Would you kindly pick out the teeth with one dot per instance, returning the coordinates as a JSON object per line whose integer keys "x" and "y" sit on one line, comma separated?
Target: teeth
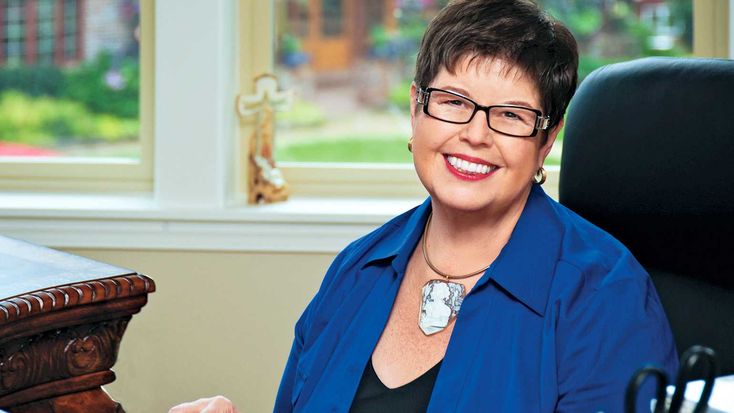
{"x": 469, "y": 167}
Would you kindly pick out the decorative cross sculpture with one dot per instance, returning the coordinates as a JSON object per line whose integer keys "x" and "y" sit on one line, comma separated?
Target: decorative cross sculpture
{"x": 265, "y": 181}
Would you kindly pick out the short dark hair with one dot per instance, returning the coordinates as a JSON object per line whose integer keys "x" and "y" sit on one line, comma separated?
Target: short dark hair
{"x": 515, "y": 30}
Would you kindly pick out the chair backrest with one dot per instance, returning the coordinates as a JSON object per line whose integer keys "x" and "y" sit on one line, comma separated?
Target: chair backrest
{"x": 648, "y": 155}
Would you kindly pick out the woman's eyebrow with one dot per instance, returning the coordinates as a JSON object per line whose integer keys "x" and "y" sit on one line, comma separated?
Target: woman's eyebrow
{"x": 520, "y": 103}
{"x": 456, "y": 90}
{"x": 466, "y": 93}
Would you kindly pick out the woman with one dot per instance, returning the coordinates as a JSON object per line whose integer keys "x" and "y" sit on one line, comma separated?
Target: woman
{"x": 490, "y": 296}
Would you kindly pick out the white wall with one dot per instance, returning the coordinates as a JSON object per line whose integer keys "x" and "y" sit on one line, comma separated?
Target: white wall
{"x": 219, "y": 322}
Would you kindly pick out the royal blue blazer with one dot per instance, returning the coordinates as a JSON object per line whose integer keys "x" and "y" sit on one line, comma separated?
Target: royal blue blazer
{"x": 558, "y": 323}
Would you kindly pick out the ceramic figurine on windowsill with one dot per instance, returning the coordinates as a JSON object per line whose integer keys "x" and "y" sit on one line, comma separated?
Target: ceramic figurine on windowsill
{"x": 265, "y": 181}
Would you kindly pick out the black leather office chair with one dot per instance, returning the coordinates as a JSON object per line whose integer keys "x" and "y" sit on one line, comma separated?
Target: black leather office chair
{"x": 648, "y": 155}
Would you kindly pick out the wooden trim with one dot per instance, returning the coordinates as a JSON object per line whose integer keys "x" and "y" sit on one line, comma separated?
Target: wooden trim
{"x": 146, "y": 54}
{"x": 711, "y": 28}
{"x": 255, "y": 57}
{"x": 314, "y": 20}
{"x": 51, "y": 389}
{"x": 67, "y": 296}
{"x": 391, "y": 22}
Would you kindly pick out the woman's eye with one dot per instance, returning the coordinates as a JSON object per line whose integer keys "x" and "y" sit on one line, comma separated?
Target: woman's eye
{"x": 453, "y": 102}
{"x": 512, "y": 115}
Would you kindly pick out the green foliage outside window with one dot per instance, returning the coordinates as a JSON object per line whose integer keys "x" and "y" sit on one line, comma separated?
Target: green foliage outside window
{"x": 47, "y": 121}
{"x": 89, "y": 85}
{"x": 50, "y": 106}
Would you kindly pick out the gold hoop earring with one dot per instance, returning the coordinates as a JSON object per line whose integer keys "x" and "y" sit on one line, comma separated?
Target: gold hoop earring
{"x": 410, "y": 144}
{"x": 540, "y": 176}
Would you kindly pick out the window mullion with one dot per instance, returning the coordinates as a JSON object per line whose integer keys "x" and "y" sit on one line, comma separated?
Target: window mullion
{"x": 194, "y": 106}
{"x": 256, "y": 34}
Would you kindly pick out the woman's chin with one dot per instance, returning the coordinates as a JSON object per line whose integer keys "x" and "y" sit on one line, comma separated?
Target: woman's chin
{"x": 463, "y": 201}
{"x": 473, "y": 200}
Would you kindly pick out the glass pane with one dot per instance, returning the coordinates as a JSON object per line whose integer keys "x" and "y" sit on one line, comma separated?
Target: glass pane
{"x": 80, "y": 95}
{"x": 611, "y": 31}
{"x": 45, "y": 34}
{"x": 70, "y": 28}
{"x": 352, "y": 78}
{"x": 332, "y": 17}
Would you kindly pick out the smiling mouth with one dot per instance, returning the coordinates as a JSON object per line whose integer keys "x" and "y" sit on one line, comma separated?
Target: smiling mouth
{"x": 470, "y": 168}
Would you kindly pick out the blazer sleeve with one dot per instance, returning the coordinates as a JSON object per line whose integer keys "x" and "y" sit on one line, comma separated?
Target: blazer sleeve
{"x": 291, "y": 382}
{"x": 604, "y": 339}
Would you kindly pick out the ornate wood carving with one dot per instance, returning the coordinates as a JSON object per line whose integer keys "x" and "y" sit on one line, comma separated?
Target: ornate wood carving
{"x": 58, "y": 343}
{"x": 67, "y": 296}
{"x": 96, "y": 401}
{"x": 61, "y": 353}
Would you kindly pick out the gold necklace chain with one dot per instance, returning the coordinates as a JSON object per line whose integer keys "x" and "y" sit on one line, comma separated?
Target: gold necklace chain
{"x": 439, "y": 272}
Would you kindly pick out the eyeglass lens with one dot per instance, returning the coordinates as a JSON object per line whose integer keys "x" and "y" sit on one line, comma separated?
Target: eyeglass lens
{"x": 509, "y": 120}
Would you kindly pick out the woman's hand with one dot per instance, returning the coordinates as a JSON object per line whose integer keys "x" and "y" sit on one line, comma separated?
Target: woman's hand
{"x": 217, "y": 404}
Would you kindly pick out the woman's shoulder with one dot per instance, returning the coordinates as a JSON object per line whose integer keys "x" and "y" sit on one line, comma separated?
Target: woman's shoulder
{"x": 379, "y": 243}
{"x": 592, "y": 252}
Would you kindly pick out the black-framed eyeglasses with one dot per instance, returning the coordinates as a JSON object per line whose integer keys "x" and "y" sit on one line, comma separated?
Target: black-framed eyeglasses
{"x": 511, "y": 120}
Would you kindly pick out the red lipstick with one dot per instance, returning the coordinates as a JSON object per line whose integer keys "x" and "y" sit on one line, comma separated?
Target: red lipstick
{"x": 469, "y": 176}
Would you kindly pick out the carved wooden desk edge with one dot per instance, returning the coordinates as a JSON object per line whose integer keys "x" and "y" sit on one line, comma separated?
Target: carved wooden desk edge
{"x": 58, "y": 344}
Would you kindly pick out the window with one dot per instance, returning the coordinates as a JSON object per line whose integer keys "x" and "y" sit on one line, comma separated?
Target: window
{"x": 197, "y": 179}
{"x": 72, "y": 84}
{"x": 71, "y": 29}
{"x": 15, "y": 34}
{"x": 33, "y": 29}
{"x": 332, "y": 18}
{"x": 349, "y": 120}
{"x": 46, "y": 33}
{"x": 352, "y": 85}
{"x": 370, "y": 40}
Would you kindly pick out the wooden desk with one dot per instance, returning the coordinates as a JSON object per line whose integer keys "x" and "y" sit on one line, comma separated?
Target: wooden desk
{"x": 62, "y": 318}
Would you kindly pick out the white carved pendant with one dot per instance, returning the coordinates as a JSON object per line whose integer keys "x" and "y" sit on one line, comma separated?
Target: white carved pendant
{"x": 440, "y": 304}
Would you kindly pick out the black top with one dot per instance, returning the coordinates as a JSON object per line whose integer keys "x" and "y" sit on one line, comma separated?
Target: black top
{"x": 373, "y": 396}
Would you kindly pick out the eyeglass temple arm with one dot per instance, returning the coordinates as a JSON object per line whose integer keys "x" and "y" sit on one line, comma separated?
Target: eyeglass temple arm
{"x": 421, "y": 98}
{"x": 542, "y": 122}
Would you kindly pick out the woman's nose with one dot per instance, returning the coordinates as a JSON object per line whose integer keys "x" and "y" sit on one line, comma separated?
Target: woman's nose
{"x": 477, "y": 131}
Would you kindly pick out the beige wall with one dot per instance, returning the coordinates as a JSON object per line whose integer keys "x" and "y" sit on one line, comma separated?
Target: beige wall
{"x": 219, "y": 322}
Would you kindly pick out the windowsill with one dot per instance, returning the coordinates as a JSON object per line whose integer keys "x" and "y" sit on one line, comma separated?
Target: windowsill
{"x": 309, "y": 225}
{"x": 312, "y": 224}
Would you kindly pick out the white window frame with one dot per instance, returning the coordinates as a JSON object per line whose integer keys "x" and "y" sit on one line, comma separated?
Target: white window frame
{"x": 95, "y": 174}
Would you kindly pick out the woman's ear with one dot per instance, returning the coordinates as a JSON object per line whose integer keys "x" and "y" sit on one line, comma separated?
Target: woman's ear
{"x": 548, "y": 145}
{"x": 413, "y": 103}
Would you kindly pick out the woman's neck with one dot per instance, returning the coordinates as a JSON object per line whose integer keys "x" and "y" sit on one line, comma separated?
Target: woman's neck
{"x": 462, "y": 241}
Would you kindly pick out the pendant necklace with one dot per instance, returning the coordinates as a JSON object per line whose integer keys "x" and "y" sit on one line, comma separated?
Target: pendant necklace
{"x": 441, "y": 299}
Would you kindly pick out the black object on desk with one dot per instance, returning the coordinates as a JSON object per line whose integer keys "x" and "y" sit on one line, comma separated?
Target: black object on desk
{"x": 688, "y": 362}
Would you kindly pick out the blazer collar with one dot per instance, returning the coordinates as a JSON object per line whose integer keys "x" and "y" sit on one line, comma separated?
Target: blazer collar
{"x": 401, "y": 238}
{"x": 526, "y": 264}
{"x": 524, "y": 267}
